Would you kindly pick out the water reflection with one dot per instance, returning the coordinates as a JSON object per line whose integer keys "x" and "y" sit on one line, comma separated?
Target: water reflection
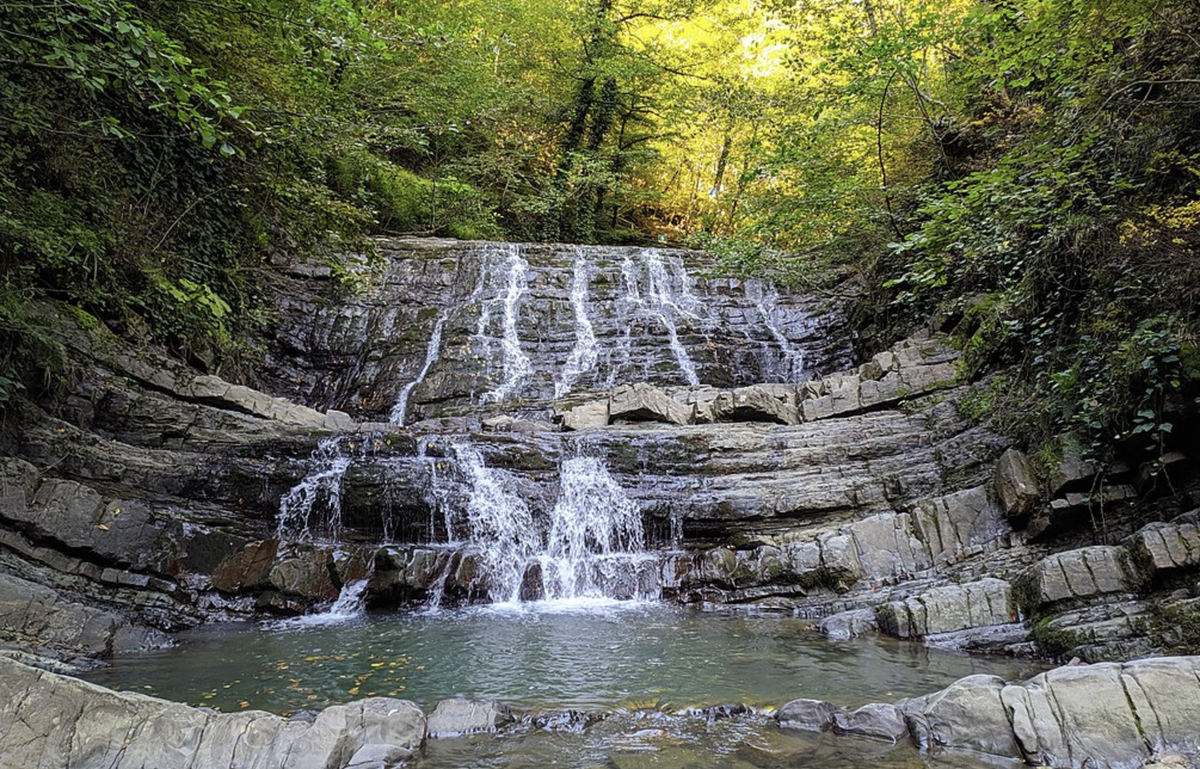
{"x": 592, "y": 658}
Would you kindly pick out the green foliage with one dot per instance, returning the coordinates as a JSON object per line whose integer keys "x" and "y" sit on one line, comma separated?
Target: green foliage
{"x": 985, "y": 400}
{"x": 1058, "y": 236}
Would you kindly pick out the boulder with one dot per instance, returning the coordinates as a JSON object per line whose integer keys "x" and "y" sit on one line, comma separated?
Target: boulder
{"x": 53, "y": 720}
{"x": 376, "y": 755}
{"x": 758, "y": 403}
{"x": 849, "y": 624}
{"x": 1103, "y": 716}
{"x": 807, "y": 715}
{"x": 248, "y": 569}
{"x": 454, "y": 717}
{"x": 880, "y": 721}
{"x": 587, "y": 416}
{"x": 1074, "y": 574}
{"x": 1161, "y": 548}
{"x": 966, "y": 715}
{"x": 1016, "y": 483}
{"x": 646, "y": 403}
{"x": 304, "y": 571}
{"x": 949, "y": 608}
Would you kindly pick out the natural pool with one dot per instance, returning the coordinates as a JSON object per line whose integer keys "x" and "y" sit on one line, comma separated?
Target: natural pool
{"x": 585, "y": 655}
{"x": 645, "y": 664}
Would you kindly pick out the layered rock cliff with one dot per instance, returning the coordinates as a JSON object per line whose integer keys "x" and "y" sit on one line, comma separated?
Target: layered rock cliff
{"x": 763, "y": 469}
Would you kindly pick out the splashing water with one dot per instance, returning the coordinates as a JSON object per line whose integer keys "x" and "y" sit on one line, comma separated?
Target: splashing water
{"x": 351, "y": 604}
{"x": 594, "y": 546}
{"x": 583, "y": 356}
{"x": 312, "y": 509}
{"x": 588, "y": 547}
{"x": 500, "y": 525}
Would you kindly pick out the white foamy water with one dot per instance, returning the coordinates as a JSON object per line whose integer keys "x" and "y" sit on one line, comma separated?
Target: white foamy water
{"x": 516, "y": 364}
{"x": 584, "y": 354}
{"x": 312, "y": 509}
{"x": 400, "y": 410}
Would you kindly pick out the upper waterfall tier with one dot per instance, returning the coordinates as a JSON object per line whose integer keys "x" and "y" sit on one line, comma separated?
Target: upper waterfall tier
{"x": 450, "y": 327}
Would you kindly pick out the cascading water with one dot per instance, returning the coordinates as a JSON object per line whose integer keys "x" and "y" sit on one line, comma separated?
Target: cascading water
{"x": 584, "y": 355}
{"x": 588, "y": 545}
{"x": 503, "y": 534}
{"x": 791, "y": 362}
{"x": 595, "y": 543}
{"x": 400, "y": 410}
{"x": 499, "y": 522}
{"x": 667, "y": 301}
{"x": 517, "y": 366}
{"x": 312, "y": 509}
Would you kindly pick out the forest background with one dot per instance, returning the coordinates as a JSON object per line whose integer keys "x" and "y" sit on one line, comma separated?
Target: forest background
{"x": 1024, "y": 172}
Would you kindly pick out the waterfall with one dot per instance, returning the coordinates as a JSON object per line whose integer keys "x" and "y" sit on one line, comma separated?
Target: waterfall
{"x": 766, "y": 301}
{"x": 583, "y": 356}
{"x": 500, "y": 525}
{"x": 399, "y": 411}
{"x": 350, "y": 604}
{"x": 667, "y": 298}
{"x": 312, "y": 509}
{"x": 517, "y": 365}
{"x": 589, "y": 545}
{"x": 351, "y": 601}
{"x": 665, "y": 301}
{"x": 595, "y": 541}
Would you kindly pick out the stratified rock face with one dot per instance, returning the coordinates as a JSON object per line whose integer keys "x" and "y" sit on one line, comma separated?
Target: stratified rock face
{"x": 449, "y": 327}
{"x": 38, "y": 618}
{"x": 47, "y": 720}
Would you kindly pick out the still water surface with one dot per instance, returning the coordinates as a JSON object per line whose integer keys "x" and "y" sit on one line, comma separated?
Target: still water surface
{"x": 538, "y": 657}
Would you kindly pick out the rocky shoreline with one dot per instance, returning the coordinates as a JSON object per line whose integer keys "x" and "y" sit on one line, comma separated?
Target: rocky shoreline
{"x": 1101, "y": 716}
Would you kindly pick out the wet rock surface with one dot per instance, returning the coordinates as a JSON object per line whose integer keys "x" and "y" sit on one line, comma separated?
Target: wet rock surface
{"x": 1108, "y": 716}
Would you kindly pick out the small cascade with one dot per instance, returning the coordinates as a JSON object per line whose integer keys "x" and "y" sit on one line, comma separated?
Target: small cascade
{"x": 399, "y": 411}
{"x": 351, "y": 601}
{"x": 584, "y": 355}
{"x": 312, "y": 509}
{"x": 595, "y": 543}
{"x": 350, "y": 604}
{"x": 589, "y": 545}
{"x": 500, "y": 524}
{"x": 517, "y": 366}
{"x": 766, "y": 301}
{"x": 667, "y": 299}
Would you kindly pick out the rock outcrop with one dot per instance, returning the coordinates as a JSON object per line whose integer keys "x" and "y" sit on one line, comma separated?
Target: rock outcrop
{"x": 48, "y": 720}
{"x": 1103, "y": 716}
